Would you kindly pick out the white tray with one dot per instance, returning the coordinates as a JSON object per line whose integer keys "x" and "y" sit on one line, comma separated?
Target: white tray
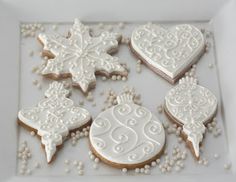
{"x": 17, "y": 90}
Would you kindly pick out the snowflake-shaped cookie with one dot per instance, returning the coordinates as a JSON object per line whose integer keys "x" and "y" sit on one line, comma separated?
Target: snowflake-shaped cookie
{"x": 54, "y": 117}
{"x": 191, "y": 106}
{"x": 81, "y": 56}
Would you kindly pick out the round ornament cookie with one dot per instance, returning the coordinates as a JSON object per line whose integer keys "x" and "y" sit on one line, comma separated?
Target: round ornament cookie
{"x": 53, "y": 118}
{"x": 169, "y": 52}
{"x": 81, "y": 56}
{"x": 127, "y": 135}
{"x": 191, "y": 106}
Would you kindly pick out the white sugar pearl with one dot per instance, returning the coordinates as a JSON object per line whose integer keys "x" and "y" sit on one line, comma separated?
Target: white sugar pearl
{"x": 67, "y": 170}
{"x": 92, "y": 157}
{"x": 137, "y": 170}
{"x": 147, "y": 171}
{"x": 75, "y": 163}
{"x": 32, "y": 133}
{"x": 124, "y": 170}
{"x": 80, "y": 172}
{"x": 81, "y": 164}
{"x": 67, "y": 161}
{"x": 227, "y": 166}
{"x": 216, "y": 156}
{"x": 142, "y": 170}
{"x": 158, "y": 161}
{"x": 153, "y": 164}
{"x": 147, "y": 167}
{"x": 96, "y": 160}
{"x": 79, "y": 167}
{"x": 90, "y": 153}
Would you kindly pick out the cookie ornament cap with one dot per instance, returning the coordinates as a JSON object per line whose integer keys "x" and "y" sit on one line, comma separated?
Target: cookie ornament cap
{"x": 191, "y": 106}
{"x": 169, "y": 52}
{"x": 127, "y": 135}
{"x": 53, "y": 118}
{"x": 81, "y": 56}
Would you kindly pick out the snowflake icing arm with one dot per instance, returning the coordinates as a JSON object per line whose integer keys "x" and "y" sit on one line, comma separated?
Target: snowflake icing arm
{"x": 81, "y": 56}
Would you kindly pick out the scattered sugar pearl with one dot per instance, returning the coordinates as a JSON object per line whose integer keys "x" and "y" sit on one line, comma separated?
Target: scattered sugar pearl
{"x": 67, "y": 170}
{"x": 35, "y": 82}
{"x": 96, "y": 160}
{"x": 75, "y": 163}
{"x": 124, "y": 170}
{"x": 104, "y": 78}
{"x": 32, "y": 133}
{"x": 216, "y": 156}
{"x": 55, "y": 27}
{"x": 147, "y": 171}
{"x": 227, "y": 166}
{"x": 121, "y": 25}
{"x": 137, "y": 170}
{"x": 160, "y": 109}
{"x": 113, "y": 77}
{"x": 147, "y": 167}
{"x": 153, "y": 164}
{"x": 92, "y": 157}
{"x": 80, "y": 172}
{"x": 210, "y": 65}
{"x": 67, "y": 161}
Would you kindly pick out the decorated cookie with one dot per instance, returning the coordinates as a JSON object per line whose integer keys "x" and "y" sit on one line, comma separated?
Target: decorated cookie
{"x": 192, "y": 107}
{"x": 80, "y": 56}
{"x": 168, "y": 52}
{"x": 53, "y": 118}
{"x": 127, "y": 135}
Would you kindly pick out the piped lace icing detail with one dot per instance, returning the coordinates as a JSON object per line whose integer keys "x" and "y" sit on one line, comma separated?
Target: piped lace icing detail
{"x": 53, "y": 117}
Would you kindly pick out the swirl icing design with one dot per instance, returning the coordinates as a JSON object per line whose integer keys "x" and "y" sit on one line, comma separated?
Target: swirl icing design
{"x": 81, "y": 55}
{"x": 192, "y": 106}
{"x": 168, "y": 50}
{"x": 53, "y": 117}
{"x": 131, "y": 135}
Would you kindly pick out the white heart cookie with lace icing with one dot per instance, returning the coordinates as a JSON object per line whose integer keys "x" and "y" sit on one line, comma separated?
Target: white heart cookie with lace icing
{"x": 54, "y": 117}
{"x": 81, "y": 56}
{"x": 192, "y": 106}
{"x": 127, "y": 135}
{"x": 168, "y": 52}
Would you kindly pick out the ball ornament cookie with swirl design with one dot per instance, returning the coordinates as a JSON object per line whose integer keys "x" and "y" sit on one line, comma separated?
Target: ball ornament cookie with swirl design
{"x": 191, "y": 106}
{"x": 127, "y": 135}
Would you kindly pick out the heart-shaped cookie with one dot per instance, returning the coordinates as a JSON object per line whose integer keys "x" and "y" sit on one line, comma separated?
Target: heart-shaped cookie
{"x": 168, "y": 52}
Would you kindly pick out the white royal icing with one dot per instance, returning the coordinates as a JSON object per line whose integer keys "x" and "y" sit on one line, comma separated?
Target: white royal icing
{"x": 53, "y": 117}
{"x": 127, "y": 133}
{"x": 168, "y": 50}
{"x": 192, "y": 106}
{"x": 81, "y": 55}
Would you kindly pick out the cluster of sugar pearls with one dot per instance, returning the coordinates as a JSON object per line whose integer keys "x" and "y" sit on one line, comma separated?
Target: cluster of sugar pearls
{"x": 94, "y": 159}
{"x": 76, "y": 164}
{"x": 213, "y": 128}
{"x": 75, "y": 136}
{"x": 173, "y": 129}
{"x": 111, "y": 97}
{"x": 30, "y": 30}
{"x": 138, "y": 66}
{"x": 24, "y": 155}
{"x": 192, "y": 72}
{"x": 176, "y": 161}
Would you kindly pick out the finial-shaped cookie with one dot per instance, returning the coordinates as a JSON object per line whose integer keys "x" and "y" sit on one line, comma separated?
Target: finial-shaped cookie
{"x": 53, "y": 118}
{"x": 191, "y": 106}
